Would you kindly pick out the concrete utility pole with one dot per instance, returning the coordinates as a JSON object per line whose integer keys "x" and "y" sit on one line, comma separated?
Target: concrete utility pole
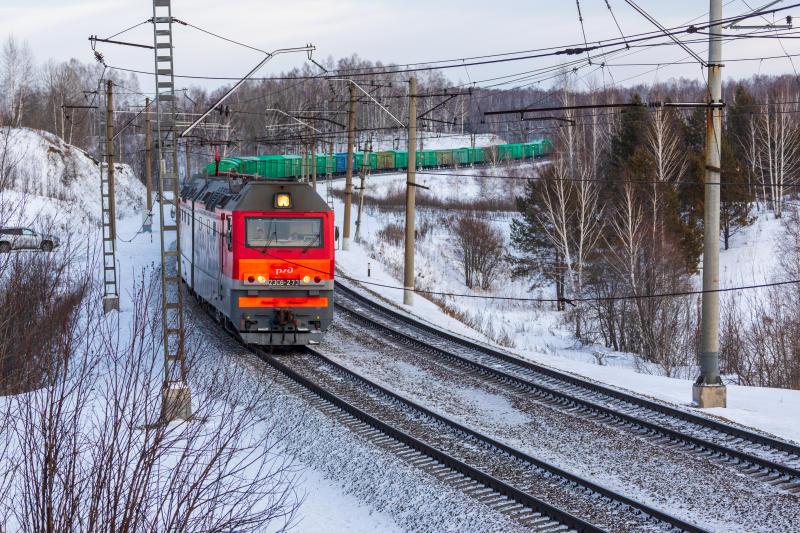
{"x": 108, "y": 204}
{"x": 188, "y": 160}
{"x": 148, "y": 155}
{"x": 307, "y": 160}
{"x": 314, "y": 160}
{"x": 348, "y": 184}
{"x": 331, "y": 163}
{"x": 408, "y": 276}
{"x": 708, "y": 390}
{"x": 361, "y": 190}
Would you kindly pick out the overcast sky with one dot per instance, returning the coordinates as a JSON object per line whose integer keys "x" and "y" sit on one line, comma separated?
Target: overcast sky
{"x": 389, "y": 31}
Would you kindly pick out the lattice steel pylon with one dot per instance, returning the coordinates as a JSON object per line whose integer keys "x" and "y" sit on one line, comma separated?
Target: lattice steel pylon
{"x": 176, "y": 399}
{"x": 105, "y": 157}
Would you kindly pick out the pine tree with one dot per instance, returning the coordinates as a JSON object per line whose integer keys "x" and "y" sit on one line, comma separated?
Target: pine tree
{"x": 536, "y": 255}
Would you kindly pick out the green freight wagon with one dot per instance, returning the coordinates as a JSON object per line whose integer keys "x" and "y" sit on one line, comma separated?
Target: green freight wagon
{"x": 444, "y": 158}
{"x": 426, "y": 158}
{"x": 227, "y": 164}
{"x": 358, "y": 159}
{"x": 325, "y": 163}
{"x": 509, "y": 152}
{"x": 280, "y": 166}
{"x": 400, "y": 159}
{"x": 528, "y": 150}
{"x": 249, "y": 165}
{"x": 462, "y": 156}
{"x": 543, "y": 147}
{"x": 386, "y": 160}
{"x": 478, "y": 155}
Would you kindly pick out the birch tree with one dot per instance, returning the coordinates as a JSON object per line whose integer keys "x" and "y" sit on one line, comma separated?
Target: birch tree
{"x": 665, "y": 147}
{"x": 779, "y": 151}
{"x": 17, "y": 70}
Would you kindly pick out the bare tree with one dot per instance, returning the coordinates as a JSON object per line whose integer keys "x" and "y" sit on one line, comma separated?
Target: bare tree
{"x": 650, "y": 322}
{"x": 779, "y": 146}
{"x": 571, "y": 211}
{"x": 88, "y": 454}
{"x": 666, "y": 149}
{"x": 480, "y": 250}
{"x": 17, "y": 76}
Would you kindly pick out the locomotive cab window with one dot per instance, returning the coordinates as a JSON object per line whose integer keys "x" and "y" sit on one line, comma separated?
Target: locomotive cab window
{"x": 266, "y": 232}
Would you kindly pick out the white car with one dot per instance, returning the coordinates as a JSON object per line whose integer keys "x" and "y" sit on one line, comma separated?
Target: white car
{"x": 25, "y": 239}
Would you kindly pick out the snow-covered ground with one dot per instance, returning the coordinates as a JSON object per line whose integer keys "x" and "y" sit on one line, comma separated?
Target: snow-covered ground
{"x": 534, "y": 331}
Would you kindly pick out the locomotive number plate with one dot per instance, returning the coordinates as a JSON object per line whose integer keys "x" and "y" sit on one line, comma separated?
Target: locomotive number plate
{"x": 283, "y": 282}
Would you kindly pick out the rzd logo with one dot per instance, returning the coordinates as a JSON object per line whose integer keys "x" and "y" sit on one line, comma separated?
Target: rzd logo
{"x": 287, "y": 270}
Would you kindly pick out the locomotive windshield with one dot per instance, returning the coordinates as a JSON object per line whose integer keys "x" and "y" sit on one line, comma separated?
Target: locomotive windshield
{"x": 265, "y": 232}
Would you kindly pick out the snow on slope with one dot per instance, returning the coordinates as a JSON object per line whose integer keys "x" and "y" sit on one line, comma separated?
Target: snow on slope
{"x": 41, "y": 164}
{"x": 752, "y": 258}
{"x": 536, "y": 331}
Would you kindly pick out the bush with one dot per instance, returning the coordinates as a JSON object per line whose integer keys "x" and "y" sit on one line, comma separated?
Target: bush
{"x": 38, "y": 304}
{"x": 480, "y": 248}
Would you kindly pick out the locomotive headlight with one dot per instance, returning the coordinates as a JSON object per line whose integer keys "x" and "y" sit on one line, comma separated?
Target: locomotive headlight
{"x": 306, "y": 279}
{"x": 261, "y": 279}
{"x": 283, "y": 200}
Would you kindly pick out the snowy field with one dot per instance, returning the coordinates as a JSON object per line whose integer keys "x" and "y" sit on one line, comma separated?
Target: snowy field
{"x": 535, "y": 331}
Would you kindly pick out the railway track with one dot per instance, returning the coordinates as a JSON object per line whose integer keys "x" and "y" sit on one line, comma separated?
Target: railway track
{"x": 758, "y": 456}
{"x": 536, "y": 494}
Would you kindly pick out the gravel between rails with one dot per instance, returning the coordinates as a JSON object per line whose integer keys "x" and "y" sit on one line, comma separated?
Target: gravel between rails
{"x": 666, "y": 477}
{"x": 533, "y": 480}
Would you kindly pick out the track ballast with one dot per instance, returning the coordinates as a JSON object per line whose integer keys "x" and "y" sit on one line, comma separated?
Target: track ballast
{"x": 762, "y": 457}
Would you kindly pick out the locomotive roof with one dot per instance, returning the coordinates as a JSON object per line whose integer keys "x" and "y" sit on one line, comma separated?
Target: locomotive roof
{"x": 253, "y": 195}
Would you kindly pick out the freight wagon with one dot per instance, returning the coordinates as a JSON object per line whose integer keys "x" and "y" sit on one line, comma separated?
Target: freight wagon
{"x": 292, "y": 166}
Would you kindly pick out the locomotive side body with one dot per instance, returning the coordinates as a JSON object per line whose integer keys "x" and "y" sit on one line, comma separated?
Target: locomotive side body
{"x": 261, "y": 255}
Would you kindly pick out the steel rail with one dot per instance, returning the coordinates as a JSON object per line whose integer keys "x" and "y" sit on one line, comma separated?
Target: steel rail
{"x": 455, "y": 464}
{"x": 527, "y": 500}
{"x": 733, "y": 431}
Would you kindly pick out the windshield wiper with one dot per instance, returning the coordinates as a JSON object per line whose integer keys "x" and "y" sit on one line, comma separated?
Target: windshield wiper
{"x": 309, "y": 245}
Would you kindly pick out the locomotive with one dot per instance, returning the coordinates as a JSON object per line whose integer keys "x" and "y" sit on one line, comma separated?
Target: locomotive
{"x": 259, "y": 253}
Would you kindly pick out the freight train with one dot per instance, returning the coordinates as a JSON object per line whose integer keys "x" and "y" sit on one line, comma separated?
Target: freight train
{"x": 293, "y": 166}
{"x": 259, "y": 254}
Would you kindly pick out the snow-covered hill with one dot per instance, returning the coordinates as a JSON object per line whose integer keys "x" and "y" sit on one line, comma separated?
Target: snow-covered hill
{"x": 41, "y": 165}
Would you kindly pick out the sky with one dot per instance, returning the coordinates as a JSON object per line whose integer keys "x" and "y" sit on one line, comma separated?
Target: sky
{"x": 389, "y": 31}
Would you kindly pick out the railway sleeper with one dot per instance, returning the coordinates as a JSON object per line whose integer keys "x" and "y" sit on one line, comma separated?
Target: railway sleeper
{"x": 554, "y": 528}
{"x": 794, "y": 489}
{"x": 509, "y": 507}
